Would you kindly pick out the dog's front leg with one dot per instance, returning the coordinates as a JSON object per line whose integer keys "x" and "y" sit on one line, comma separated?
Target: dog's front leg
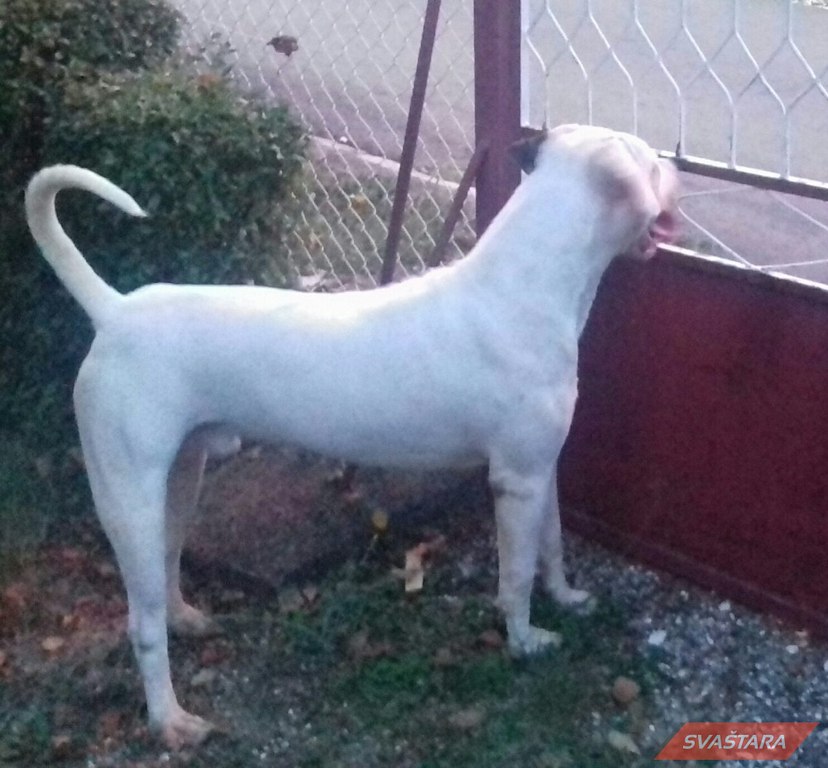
{"x": 552, "y": 573}
{"x": 520, "y": 502}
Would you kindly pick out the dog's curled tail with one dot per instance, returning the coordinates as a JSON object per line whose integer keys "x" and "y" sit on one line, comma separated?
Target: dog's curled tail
{"x": 96, "y": 297}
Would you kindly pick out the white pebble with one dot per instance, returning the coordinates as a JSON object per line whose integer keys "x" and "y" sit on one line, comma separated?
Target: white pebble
{"x": 657, "y": 638}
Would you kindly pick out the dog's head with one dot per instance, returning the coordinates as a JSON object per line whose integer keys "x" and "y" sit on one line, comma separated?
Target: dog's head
{"x": 637, "y": 190}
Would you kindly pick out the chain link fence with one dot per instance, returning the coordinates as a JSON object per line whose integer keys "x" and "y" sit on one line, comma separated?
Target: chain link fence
{"x": 345, "y": 70}
{"x": 739, "y": 88}
{"x": 739, "y": 85}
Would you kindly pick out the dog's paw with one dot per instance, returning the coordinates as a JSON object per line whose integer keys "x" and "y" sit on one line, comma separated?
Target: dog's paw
{"x": 184, "y": 730}
{"x": 188, "y": 621}
{"x": 574, "y": 598}
{"x": 533, "y": 641}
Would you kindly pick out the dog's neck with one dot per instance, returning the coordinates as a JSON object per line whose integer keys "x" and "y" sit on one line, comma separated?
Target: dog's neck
{"x": 568, "y": 230}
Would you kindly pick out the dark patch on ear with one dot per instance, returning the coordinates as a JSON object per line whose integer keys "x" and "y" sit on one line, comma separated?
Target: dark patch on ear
{"x": 525, "y": 150}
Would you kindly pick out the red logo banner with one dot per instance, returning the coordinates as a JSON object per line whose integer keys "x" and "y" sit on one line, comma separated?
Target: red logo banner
{"x": 736, "y": 741}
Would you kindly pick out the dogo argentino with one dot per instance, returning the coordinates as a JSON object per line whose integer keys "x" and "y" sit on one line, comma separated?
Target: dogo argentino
{"x": 474, "y": 363}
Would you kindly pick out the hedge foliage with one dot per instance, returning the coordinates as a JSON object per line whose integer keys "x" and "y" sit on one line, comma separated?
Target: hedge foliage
{"x": 211, "y": 168}
{"x": 46, "y": 45}
{"x": 102, "y": 85}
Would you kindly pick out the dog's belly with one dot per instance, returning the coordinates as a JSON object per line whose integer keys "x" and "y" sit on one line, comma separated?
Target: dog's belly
{"x": 365, "y": 412}
{"x": 364, "y": 429}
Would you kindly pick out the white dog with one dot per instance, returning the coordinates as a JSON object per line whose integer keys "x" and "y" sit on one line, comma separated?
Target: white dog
{"x": 470, "y": 364}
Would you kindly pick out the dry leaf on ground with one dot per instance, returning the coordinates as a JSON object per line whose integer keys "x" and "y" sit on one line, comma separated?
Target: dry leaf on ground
{"x": 52, "y": 644}
{"x": 414, "y": 571}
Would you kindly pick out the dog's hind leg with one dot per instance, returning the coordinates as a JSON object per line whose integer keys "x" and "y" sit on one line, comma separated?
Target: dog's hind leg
{"x": 183, "y": 486}
{"x": 129, "y": 485}
{"x": 131, "y": 510}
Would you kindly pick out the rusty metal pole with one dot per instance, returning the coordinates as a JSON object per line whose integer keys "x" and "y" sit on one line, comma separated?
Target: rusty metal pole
{"x": 457, "y": 203}
{"x": 412, "y": 132}
{"x": 497, "y": 40}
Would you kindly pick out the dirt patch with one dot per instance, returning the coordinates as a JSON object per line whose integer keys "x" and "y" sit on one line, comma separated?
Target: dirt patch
{"x": 272, "y": 516}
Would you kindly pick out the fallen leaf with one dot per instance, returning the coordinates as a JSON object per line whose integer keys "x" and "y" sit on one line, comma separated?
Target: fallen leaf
{"x": 70, "y": 622}
{"x": 290, "y": 600}
{"x": 444, "y": 658}
{"x": 467, "y": 719}
{"x": 360, "y": 647}
{"x": 203, "y": 678}
{"x": 379, "y": 521}
{"x": 109, "y": 724}
{"x": 360, "y": 204}
{"x": 107, "y": 570}
{"x": 622, "y": 742}
{"x": 52, "y": 644}
{"x": 63, "y": 747}
{"x": 208, "y": 80}
{"x": 215, "y": 653}
{"x": 295, "y": 599}
{"x": 310, "y": 594}
{"x": 15, "y": 598}
{"x": 491, "y": 638}
{"x": 71, "y": 557}
{"x": 414, "y": 571}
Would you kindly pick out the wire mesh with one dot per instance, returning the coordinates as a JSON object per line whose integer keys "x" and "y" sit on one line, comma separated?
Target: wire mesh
{"x": 345, "y": 70}
{"x": 742, "y": 83}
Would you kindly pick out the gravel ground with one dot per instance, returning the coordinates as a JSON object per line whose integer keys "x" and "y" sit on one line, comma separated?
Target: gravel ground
{"x": 717, "y": 661}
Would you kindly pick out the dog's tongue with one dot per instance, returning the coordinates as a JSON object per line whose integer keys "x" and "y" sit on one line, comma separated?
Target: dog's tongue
{"x": 662, "y": 230}
{"x": 665, "y": 228}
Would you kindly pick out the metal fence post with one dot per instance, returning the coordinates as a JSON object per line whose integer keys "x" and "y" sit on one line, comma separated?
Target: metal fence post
{"x": 497, "y": 38}
{"x": 412, "y": 134}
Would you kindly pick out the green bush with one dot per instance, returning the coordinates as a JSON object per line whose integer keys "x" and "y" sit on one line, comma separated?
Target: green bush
{"x": 212, "y": 166}
{"x": 46, "y": 45}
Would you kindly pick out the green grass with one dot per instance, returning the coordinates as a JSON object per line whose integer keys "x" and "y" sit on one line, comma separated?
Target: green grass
{"x": 24, "y": 503}
{"x": 24, "y": 736}
{"x": 364, "y": 677}
{"x": 535, "y": 712}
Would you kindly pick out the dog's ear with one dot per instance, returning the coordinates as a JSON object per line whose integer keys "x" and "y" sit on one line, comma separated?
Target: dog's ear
{"x": 525, "y": 150}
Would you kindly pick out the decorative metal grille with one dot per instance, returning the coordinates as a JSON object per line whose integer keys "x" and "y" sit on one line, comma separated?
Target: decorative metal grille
{"x": 737, "y": 89}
